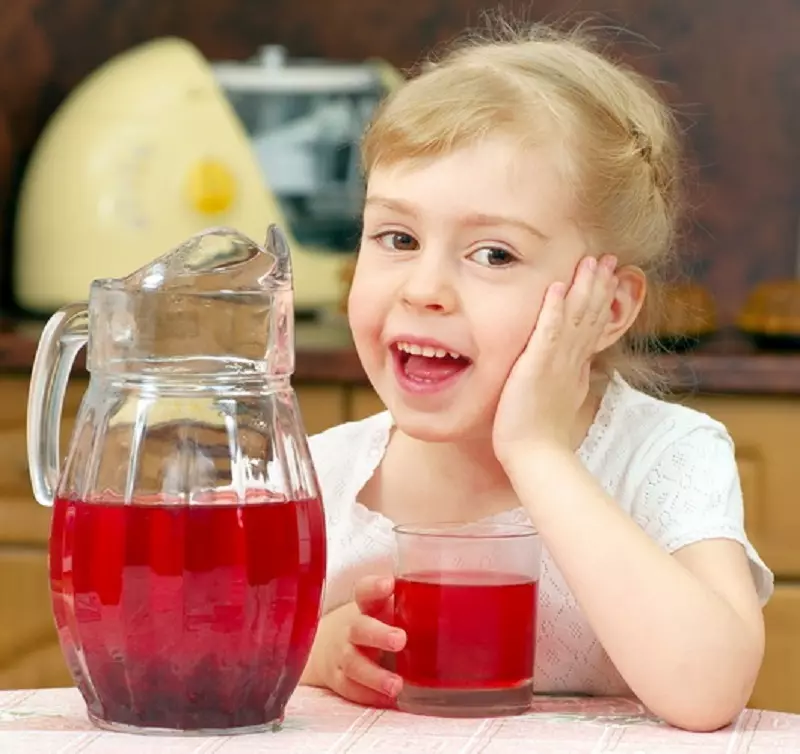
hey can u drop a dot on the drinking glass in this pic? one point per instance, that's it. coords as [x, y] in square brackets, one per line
[467, 597]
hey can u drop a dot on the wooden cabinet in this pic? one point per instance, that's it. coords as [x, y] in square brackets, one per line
[364, 402]
[778, 685]
[322, 406]
[22, 522]
[29, 653]
[765, 430]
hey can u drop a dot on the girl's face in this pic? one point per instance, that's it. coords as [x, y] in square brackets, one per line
[456, 255]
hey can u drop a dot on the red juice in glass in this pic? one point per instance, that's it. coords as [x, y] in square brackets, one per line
[187, 617]
[467, 597]
[467, 629]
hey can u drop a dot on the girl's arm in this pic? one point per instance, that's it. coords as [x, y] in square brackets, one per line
[684, 630]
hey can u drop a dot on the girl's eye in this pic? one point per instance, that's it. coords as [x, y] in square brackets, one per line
[493, 257]
[398, 241]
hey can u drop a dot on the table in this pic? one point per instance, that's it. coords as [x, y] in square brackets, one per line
[53, 721]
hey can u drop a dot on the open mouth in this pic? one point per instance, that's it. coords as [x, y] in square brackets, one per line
[428, 366]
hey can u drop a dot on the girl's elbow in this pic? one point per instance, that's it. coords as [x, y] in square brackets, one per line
[704, 708]
[705, 718]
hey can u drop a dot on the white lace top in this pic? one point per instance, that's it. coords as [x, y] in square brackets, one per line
[670, 467]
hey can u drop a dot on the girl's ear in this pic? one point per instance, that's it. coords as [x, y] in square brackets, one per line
[626, 305]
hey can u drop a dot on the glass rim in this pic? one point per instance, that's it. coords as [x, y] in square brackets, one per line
[467, 531]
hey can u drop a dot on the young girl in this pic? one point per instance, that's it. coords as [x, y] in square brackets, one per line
[522, 196]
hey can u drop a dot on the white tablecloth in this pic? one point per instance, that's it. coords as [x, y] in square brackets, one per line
[53, 721]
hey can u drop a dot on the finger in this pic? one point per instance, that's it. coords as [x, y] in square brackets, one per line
[367, 631]
[550, 323]
[581, 290]
[372, 594]
[355, 692]
[602, 294]
[356, 666]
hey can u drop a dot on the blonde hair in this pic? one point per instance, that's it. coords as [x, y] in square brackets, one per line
[618, 138]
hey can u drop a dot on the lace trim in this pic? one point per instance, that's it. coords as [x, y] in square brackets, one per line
[602, 419]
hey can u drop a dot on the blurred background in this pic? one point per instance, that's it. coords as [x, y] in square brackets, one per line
[251, 113]
[730, 66]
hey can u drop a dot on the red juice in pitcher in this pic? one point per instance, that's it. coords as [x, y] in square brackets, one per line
[186, 617]
[467, 630]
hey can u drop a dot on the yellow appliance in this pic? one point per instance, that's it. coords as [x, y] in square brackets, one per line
[144, 153]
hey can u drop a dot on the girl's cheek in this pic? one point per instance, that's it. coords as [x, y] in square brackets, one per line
[358, 298]
[362, 314]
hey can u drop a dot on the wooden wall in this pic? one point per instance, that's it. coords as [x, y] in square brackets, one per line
[734, 66]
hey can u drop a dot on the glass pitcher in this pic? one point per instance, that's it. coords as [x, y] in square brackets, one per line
[187, 549]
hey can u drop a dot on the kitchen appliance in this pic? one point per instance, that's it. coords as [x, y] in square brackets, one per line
[146, 151]
[187, 549]
[305, 118]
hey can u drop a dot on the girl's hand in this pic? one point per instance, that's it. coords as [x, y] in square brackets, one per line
[550, 380]
[349, 644]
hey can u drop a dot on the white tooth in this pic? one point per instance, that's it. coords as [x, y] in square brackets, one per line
[428, 351]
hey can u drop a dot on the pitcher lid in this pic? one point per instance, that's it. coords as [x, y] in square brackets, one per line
[215, 260]
[216, 303]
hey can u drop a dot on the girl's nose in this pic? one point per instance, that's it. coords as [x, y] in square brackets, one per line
[430, 284]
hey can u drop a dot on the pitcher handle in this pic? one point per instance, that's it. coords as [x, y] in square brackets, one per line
[64, 335]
